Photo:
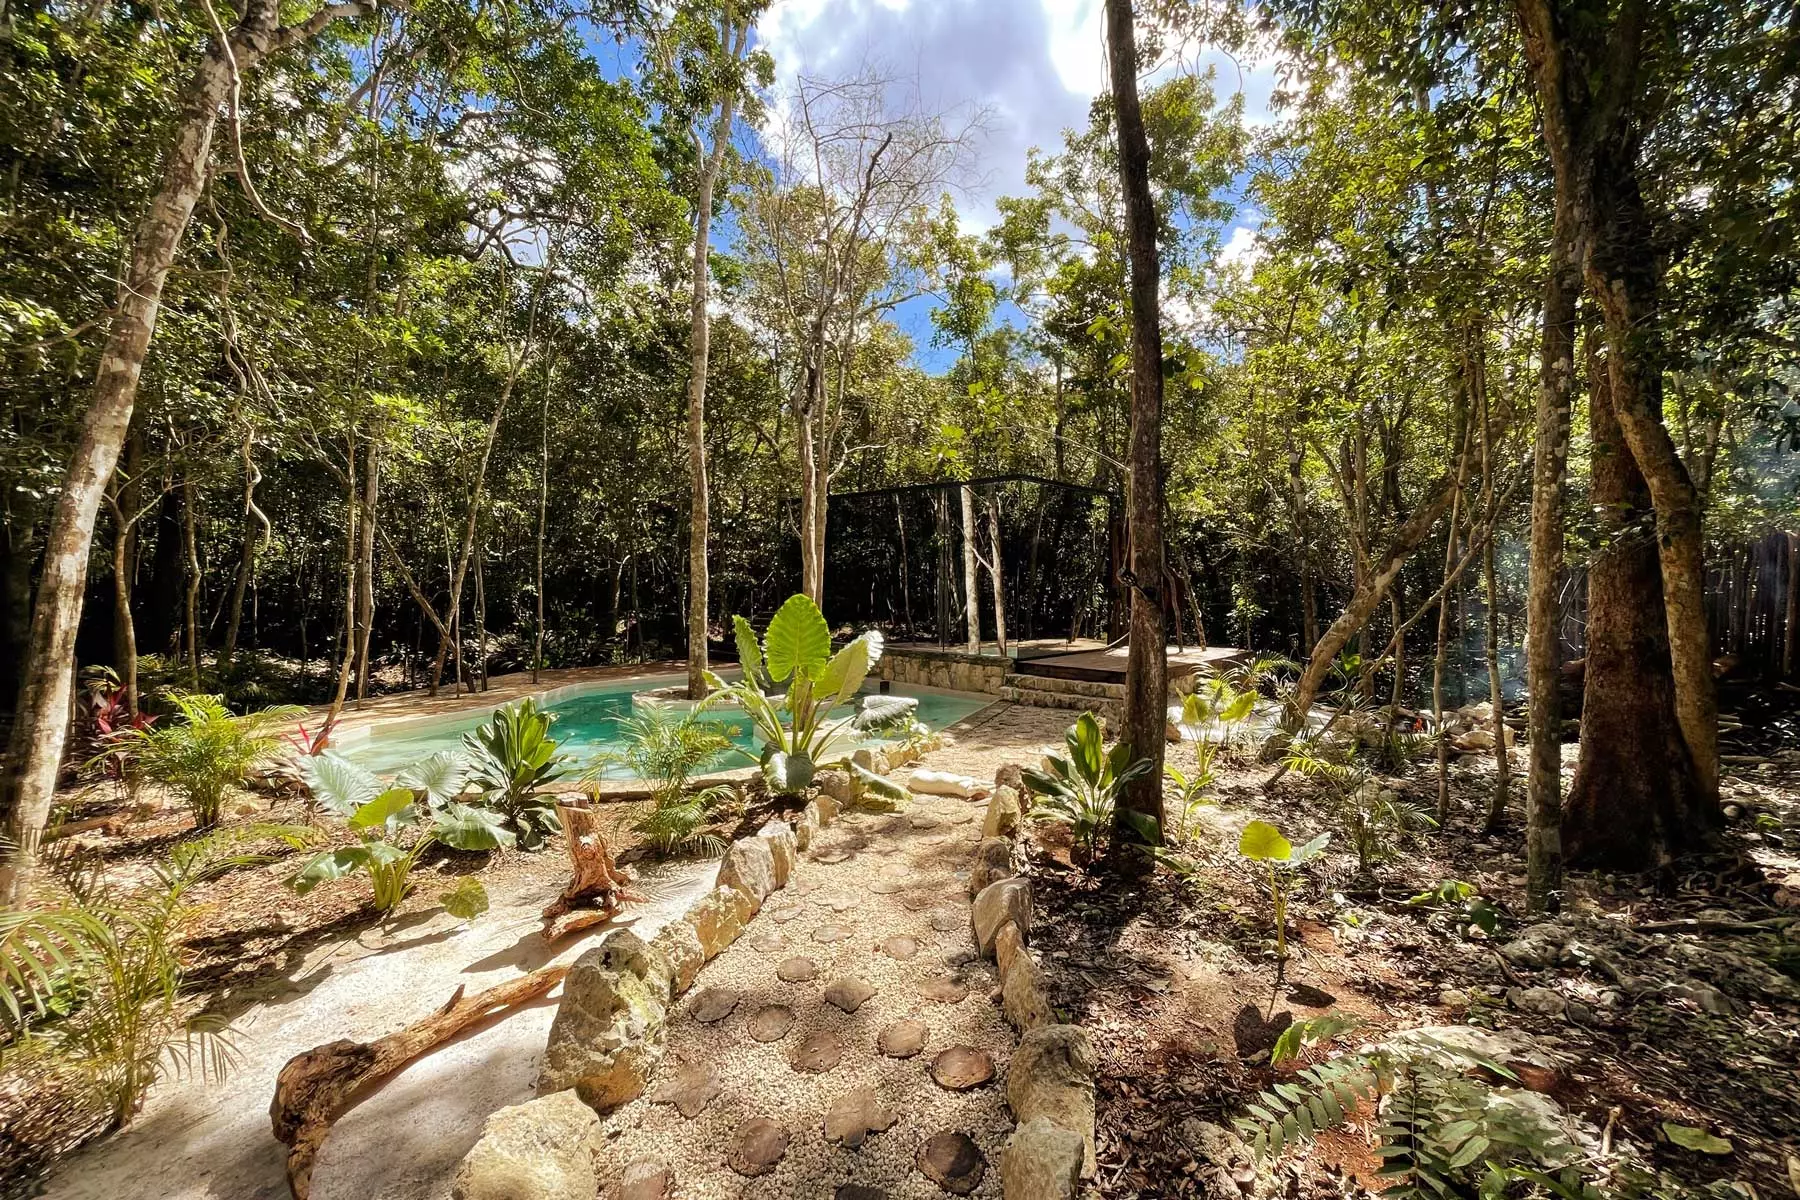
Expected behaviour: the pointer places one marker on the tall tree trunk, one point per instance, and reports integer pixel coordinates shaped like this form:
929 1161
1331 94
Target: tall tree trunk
537 646
40 726
700 338
240 583
190 558
478 680
1636 800
1543 650
971 580
812 566
124 628
348 626
996 570
365 606
1147 661
1491 507
1443 629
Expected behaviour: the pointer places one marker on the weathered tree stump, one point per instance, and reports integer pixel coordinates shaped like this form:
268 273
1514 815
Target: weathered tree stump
597 887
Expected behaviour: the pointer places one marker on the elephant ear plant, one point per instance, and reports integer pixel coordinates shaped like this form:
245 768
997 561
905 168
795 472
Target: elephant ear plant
396 825
1262 842
797 731
1083 789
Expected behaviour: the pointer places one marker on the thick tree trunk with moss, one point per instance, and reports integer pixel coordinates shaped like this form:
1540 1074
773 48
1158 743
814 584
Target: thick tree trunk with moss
1636 800
1147 661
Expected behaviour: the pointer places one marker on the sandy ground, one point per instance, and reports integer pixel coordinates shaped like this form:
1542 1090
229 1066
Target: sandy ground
201 1141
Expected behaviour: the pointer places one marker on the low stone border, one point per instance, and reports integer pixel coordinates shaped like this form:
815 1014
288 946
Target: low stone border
1050 1080
610 1030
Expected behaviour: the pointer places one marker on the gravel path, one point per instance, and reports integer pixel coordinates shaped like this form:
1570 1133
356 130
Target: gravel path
879 907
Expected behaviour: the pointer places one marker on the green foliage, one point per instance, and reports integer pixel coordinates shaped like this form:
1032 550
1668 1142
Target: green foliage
392 831
512 760
1083 788
93 971
205 751
796 729
1191 792
1264 843
1469 907
1308 1032
1371 818
666 749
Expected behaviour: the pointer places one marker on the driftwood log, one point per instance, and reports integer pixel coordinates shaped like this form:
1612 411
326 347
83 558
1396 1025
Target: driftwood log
319 1085
597 889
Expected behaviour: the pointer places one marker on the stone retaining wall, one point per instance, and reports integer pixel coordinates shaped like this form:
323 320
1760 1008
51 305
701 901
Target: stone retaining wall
949 669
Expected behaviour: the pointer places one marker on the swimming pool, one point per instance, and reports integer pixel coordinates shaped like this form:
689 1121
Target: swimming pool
589 720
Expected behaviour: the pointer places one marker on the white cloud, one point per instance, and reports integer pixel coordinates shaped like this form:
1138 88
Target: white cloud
1242 249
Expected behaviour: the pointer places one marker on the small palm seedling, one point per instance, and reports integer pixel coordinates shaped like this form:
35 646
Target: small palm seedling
384 817
1191 795
1262 842
1083 789
665 750
1370 816
512 760
91 974
1213 714
798 734
205 752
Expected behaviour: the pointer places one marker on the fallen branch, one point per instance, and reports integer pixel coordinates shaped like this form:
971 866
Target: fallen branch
1707 926
318 1085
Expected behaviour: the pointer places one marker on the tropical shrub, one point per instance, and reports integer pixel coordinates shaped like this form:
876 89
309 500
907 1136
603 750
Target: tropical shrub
1262 842
204 752
1467 907
512 759
666 749
1083 789
796 729
384 817
91 974
1371 818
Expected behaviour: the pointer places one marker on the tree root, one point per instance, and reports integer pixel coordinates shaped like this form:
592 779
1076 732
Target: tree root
319 1085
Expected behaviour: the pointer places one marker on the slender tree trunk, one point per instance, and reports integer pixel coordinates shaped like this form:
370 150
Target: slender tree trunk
1490 505
190 557
537 648
348 626
812 515
124 628
40 725
1147 662
365 608
1636 800
1443 629
971 590
478 680
996 570
1543 651
240 583
700 337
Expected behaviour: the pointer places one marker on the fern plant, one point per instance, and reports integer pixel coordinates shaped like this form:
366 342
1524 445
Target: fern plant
666 749
1370 817
205 752
92 972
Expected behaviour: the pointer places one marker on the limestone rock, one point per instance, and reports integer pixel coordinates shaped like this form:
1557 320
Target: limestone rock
544 1149
680 947
962 1067
944 989
1010 775
689 1090
1004 813
1022 996
807 827
782 849
993 861
900 947
838 784
1051 1075
1008 946
610 1028
828 808
1227 1167
714 1004
849 993
944 783
903 1039
1000 902
1546 1002
717 920
797 969
1042 1161
749 869
771 1023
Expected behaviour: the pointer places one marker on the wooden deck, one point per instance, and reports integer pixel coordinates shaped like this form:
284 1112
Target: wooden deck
1101 665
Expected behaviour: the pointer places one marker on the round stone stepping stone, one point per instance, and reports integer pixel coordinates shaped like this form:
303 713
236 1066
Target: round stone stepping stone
837 901
786 912
959 958
858 1191
854 1116
962 1067
770 1024
849 993
944 920
768 941
714 1004
887 887
900 947
797 969
915 901
757 1146
924 821
690 1090
952 1161
836 854
944 989
903 1039
961 816
832 932
806 885
645 1179
895 871
819 1053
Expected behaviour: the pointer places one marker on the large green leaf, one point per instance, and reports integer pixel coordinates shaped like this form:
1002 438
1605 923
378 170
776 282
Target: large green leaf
749 655
1086 750
1690 1138
1263 842
441 777
787 773
1239 708
797 640
845 673
465 827
332 864
1312 849
338 783
393 807
880 786
467 900
884 712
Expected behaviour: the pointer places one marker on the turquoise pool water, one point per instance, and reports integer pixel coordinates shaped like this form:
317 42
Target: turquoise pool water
591 723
